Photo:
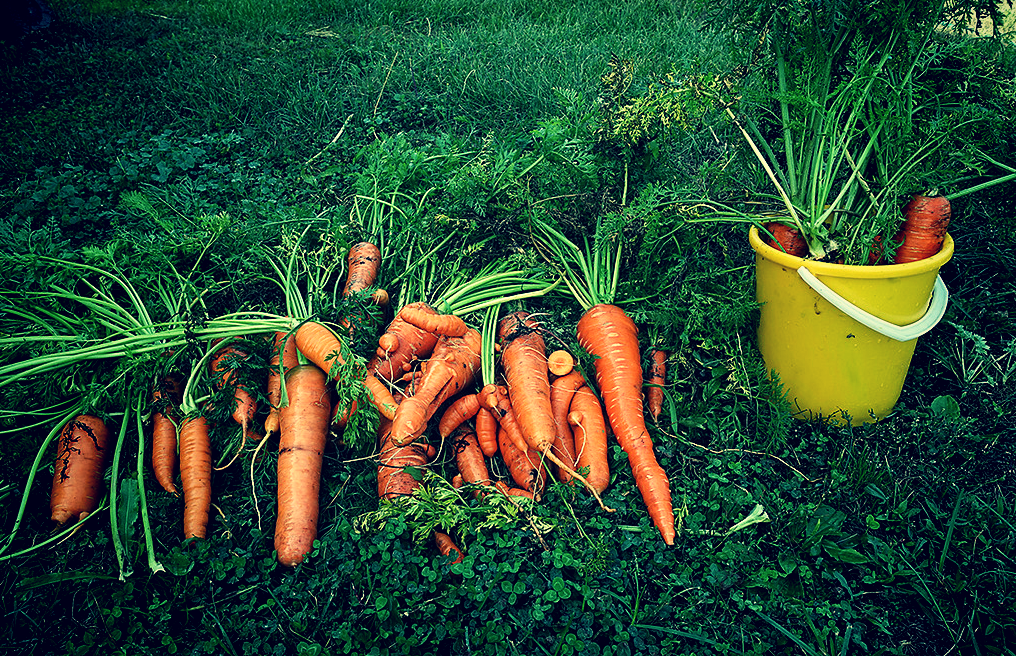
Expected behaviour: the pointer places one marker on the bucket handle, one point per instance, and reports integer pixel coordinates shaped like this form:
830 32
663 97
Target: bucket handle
936 310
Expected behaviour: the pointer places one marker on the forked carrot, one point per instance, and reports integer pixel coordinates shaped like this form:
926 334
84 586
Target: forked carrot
398 464
402 344
77 475
524 466
446 325
303 432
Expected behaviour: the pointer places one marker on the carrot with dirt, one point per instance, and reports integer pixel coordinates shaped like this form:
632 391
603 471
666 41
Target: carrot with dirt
585 415
611 337
364 263
460 411
303 432
926 221
164 448
786 238
524 360
469 459
77 475
656 377
397 465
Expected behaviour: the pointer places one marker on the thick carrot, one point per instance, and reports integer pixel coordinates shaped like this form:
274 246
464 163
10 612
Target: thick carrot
364 263
401 345
586 415
486 431
453 366
656 377
284 353
303 432
787 239
523 465
164 459
320 345
608 334
195 475
561 392
447 325
524 358
77 474
461 410
926 221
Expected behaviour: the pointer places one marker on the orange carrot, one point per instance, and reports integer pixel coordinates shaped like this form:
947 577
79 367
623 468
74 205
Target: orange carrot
303 432
608 334
398 464
401 345
164 458
560 362
787 239
495 399
561 392
320 345
453 366
195 475
77 475
469 459
586 415
447 325
461 410
524 358
656 377
447 546
926 221
245 407
523 465
364 263
284 352
486 431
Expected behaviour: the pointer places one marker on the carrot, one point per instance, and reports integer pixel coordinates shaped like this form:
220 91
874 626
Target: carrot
586 415
523 465
397 465
401 345
447 325
447 546
523 356
513 491
364 263
561 392
77 474
486 431
195 475
284 352
560 362
320 345
655 379
495 399
469 459
303 432
461 410
245 407
926 220
454 364
164 458
608 334
787 239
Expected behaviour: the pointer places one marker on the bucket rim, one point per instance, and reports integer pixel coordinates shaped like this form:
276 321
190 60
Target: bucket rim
933 263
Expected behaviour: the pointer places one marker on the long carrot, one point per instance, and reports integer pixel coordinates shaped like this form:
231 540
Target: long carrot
926 221
323 348
77 475
524 358
195 475
656 377
447 325
284 353
164 457
608 334
303 432
586 415
561 392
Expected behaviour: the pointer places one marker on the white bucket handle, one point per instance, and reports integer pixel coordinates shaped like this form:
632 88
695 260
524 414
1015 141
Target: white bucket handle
936 310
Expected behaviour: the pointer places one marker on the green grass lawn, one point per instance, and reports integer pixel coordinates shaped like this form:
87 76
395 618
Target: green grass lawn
202 141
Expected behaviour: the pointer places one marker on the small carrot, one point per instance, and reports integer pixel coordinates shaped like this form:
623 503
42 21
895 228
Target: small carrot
608 334
284 353
303 432
560 362
447 547
195 475
164 459
461 410
656 377
926 221
586 415
77 475
245 407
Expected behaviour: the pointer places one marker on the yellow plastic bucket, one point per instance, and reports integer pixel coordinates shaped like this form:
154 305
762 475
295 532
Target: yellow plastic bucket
841 337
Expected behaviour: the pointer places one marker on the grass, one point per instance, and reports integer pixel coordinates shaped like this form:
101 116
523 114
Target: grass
206 134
